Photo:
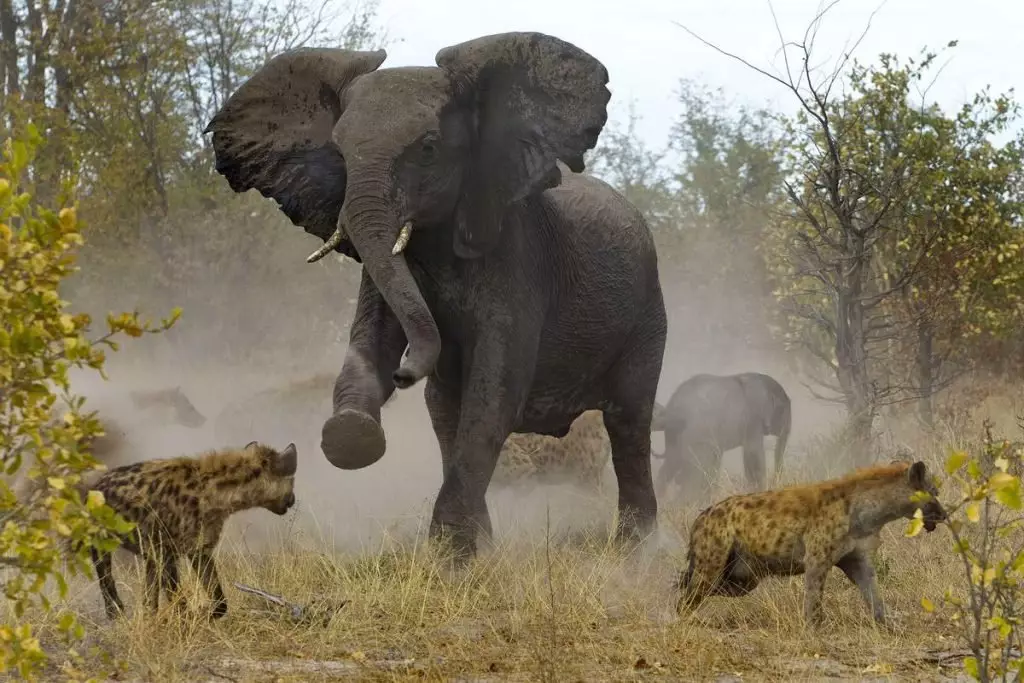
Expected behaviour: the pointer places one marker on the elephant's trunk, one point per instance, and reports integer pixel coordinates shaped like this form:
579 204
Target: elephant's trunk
376 233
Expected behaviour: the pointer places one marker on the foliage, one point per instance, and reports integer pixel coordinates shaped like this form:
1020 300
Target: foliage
986 522
895 209
40 344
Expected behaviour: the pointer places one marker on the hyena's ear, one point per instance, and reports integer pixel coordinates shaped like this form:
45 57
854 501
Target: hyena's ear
286 462
251 444
917 475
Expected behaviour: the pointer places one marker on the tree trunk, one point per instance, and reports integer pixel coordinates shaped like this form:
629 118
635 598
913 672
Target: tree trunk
925 372
852 370
9 76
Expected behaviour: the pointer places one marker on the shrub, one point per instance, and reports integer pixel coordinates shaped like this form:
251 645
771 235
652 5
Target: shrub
41 342
986 524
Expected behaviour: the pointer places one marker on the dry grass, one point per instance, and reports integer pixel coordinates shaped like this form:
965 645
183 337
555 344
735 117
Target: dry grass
572 607
556 602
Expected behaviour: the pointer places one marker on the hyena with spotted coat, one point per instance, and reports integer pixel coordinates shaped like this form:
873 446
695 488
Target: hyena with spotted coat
805 529
180 505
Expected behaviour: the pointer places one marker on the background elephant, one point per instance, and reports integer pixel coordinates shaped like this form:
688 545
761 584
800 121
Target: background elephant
524 290
711 414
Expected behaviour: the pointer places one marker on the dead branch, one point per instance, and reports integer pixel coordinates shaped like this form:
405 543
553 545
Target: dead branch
319 610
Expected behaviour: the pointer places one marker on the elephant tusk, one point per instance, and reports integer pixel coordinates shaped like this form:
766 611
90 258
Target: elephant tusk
403 239
330 245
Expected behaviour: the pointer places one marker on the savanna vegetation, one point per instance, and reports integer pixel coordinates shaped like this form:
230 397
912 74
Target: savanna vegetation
863 238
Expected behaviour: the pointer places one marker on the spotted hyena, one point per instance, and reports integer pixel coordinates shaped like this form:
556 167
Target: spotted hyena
180 505
804 529
580 456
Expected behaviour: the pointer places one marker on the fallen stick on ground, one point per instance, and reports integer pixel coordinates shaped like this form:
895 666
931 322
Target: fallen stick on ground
319 610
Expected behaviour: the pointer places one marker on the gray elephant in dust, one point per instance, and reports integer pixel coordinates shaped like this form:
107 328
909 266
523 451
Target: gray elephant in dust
526 291
711 414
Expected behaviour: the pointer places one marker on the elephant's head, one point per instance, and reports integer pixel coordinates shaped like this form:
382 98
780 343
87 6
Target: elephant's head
361 157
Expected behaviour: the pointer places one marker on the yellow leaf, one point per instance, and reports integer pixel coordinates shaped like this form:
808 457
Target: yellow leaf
94 499
927 605
56 482
973 512
1002 480
971 667
955 461
914 527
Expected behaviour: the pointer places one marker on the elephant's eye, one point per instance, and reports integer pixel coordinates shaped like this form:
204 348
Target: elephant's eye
428 151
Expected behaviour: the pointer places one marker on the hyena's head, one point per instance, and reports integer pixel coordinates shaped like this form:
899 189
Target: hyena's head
274 487
918 480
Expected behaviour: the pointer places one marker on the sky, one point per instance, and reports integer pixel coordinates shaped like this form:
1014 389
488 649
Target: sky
647 54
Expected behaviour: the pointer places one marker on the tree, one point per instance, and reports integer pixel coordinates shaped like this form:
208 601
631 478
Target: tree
40 343
728 179
863 177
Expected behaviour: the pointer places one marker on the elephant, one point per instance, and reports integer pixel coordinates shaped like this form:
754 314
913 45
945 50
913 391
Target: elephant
710 414
523 290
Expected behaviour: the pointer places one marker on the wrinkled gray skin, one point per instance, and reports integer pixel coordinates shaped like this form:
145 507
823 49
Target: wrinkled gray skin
711 414
528 292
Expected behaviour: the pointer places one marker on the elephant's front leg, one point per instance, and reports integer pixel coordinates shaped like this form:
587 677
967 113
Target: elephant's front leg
352 437
444 407
496 381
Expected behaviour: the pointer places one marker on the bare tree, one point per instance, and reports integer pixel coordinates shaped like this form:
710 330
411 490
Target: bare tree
848 188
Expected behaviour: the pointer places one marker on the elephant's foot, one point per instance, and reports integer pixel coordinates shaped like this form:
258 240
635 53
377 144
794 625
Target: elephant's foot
457 540
634 527
352 439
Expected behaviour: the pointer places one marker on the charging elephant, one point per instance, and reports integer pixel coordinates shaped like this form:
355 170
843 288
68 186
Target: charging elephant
711 414
525 291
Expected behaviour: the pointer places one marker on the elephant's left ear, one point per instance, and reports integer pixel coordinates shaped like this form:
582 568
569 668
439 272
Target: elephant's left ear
537 99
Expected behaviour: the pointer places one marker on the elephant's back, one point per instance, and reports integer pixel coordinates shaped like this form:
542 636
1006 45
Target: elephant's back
601 214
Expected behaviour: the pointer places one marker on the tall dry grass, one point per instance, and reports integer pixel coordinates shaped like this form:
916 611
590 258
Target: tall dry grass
550 600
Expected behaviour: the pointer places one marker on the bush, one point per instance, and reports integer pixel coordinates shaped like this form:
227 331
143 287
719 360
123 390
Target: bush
40 344
986 524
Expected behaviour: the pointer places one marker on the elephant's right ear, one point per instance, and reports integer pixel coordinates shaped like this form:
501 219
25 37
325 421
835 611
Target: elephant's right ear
274 134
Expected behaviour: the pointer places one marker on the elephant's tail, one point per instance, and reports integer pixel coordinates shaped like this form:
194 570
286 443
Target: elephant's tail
785 423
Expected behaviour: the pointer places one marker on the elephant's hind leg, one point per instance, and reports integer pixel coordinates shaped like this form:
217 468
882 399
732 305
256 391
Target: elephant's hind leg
633 384
753 460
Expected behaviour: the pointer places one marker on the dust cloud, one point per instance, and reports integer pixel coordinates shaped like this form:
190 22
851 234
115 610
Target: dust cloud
354 510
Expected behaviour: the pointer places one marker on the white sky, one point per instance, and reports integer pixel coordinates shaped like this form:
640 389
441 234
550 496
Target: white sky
646 54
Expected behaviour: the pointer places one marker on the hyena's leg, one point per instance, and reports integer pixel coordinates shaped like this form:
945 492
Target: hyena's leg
103 562
153 579
202 562
169 579
708 557
857 567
